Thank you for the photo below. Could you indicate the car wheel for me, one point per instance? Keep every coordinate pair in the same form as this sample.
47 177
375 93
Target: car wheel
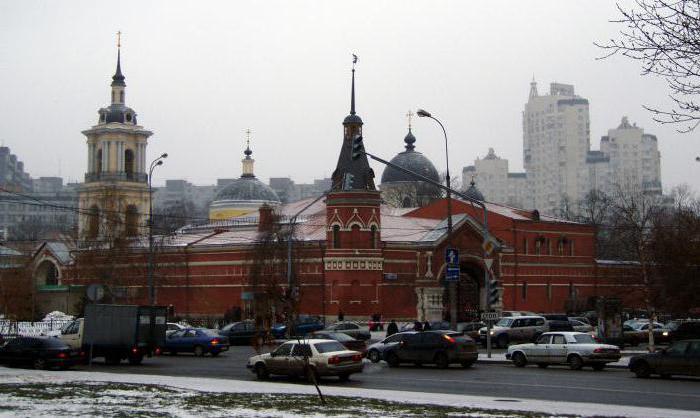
519 359
598 367
641 369
392 360
374 356
39 363
467 364
261 371
502 341
575 362
344 377
199 351
441 361
542 365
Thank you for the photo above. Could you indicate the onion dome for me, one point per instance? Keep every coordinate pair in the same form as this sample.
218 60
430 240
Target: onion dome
473 192
410 160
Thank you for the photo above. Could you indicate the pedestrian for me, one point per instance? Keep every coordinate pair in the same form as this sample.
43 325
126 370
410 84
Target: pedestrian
392 328
418 326
341 316
426 326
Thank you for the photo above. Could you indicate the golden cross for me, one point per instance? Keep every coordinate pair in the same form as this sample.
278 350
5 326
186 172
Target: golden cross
119 39
247 137
409 115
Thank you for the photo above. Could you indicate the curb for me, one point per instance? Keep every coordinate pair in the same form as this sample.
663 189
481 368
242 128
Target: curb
504 361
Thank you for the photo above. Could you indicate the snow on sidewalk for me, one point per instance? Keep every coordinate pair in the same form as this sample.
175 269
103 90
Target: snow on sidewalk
22 376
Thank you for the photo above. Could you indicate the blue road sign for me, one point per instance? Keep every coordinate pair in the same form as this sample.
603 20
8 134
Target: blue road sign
452 256
452 274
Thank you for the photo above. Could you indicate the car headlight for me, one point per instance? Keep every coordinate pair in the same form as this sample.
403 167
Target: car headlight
491 332
665 334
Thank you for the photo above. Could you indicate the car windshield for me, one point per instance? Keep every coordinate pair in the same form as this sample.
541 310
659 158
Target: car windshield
339 336
329 347
584 339
504 322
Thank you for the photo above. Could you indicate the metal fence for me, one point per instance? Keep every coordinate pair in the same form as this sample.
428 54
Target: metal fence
26 328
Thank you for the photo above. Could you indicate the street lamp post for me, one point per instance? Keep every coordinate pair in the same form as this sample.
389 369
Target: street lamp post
151 286
452 286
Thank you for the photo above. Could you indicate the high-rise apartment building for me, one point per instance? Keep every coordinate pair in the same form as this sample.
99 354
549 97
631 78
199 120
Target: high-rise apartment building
560 167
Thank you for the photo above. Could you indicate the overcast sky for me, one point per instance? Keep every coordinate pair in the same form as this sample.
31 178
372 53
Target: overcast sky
200 73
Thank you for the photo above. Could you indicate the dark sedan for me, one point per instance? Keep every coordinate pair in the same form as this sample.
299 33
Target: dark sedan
681 358
351 329
240 333
441 348
375 352
196 340
39 352
349 342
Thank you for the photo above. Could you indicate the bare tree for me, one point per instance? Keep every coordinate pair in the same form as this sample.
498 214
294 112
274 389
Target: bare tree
594 209
664 36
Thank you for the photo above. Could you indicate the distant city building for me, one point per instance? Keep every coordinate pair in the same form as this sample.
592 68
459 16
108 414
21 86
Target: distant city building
288 191
560 167
12 175
184 199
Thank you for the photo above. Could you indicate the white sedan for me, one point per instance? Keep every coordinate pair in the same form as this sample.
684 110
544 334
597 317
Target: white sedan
580 326
312 358
576 349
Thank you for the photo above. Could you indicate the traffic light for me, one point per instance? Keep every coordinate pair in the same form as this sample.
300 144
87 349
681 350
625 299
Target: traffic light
494 295
357 148
348 181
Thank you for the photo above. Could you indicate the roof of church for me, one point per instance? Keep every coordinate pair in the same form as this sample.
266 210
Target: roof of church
411 160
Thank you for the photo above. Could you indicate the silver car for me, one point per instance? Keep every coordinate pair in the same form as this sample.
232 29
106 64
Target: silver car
311 358
576 349
514 329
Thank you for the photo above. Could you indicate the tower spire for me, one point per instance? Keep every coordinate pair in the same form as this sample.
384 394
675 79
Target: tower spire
248 161
352 94
118 77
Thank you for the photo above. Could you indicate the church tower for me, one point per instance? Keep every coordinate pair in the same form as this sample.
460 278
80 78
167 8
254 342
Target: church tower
353 259
114 199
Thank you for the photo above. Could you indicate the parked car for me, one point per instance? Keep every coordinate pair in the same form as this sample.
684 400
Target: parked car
508 314
351 329
39 352
558 322
681 330
632 336
434 325
580 326
441 348
577 349
583 319
349 342
304 325
681 358
658 331
240 333
198 341
514 329
471 329
311 358
174 326
375 352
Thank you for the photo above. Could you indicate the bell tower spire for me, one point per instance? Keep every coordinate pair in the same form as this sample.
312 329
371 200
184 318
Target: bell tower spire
248 162
118 84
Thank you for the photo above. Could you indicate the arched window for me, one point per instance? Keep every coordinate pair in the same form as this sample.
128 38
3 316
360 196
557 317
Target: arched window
131 221
98 161
129 163
336 236
121 96
93 222
373 235
47 274
406 202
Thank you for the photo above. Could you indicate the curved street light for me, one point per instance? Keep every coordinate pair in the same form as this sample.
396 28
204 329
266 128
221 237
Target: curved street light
452 286
151 286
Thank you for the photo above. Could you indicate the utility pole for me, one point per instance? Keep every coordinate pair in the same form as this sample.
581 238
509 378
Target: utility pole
151 284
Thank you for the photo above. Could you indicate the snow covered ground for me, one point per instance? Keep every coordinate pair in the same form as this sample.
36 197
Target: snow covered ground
45 393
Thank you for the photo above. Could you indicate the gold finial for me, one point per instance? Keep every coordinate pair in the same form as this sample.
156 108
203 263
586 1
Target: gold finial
473 177
119 39
247 137
410 115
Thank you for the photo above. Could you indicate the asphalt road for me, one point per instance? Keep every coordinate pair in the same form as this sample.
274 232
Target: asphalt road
501 381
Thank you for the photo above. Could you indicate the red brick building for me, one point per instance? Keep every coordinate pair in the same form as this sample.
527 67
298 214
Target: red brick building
353 254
